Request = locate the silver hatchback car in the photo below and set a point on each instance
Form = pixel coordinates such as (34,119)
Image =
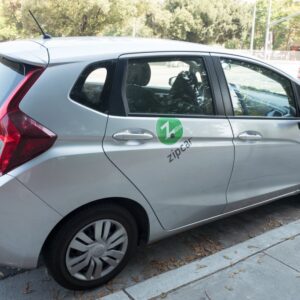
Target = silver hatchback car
(109,142)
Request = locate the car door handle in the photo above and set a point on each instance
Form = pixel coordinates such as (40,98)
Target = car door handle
(250,136)
(133,134)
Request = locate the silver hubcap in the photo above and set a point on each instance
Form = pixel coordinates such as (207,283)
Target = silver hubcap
(96,250)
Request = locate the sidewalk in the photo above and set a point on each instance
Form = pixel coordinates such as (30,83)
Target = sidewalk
(265,267)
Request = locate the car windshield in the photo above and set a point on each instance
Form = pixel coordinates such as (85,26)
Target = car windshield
(11,73)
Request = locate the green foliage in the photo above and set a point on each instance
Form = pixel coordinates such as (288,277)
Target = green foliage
(202,21)
(284,34)
(60,17)
(225,22)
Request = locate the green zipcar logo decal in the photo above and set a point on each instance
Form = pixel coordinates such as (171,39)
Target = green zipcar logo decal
(169,131)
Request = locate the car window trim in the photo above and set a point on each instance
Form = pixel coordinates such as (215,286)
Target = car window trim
(296,89)
(192,116)
(214,87)
(225,90)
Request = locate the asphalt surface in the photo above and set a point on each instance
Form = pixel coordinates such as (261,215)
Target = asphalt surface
(161,256)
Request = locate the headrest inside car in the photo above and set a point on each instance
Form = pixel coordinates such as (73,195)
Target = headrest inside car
(138,73)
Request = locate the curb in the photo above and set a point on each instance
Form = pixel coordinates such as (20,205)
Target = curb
(201,268)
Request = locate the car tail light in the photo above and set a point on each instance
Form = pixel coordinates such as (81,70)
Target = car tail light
(23,138)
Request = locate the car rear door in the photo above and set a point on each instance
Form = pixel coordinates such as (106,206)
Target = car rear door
(168,134)
(262,107)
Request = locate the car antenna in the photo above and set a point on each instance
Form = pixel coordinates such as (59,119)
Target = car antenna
(45,35)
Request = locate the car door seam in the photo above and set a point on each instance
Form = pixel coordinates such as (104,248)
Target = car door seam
(232,140)
(233,165)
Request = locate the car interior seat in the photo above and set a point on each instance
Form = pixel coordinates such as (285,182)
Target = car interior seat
(140,99)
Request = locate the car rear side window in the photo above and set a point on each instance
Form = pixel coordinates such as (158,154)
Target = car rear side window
(11,74)
(93,85)
(168,86)
(257,91)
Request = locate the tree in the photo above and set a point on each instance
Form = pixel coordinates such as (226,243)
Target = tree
(284,34)
(203,21)
(225,22)
(59,17)
(127,17)
(71,18)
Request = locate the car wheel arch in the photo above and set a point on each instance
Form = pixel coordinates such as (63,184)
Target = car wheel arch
(137,211)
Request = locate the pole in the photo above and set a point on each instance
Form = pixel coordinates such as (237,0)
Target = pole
(278,21)
(253,29)
(134,28)
(268,28)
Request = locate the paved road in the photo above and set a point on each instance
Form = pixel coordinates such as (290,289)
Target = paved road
(162,256)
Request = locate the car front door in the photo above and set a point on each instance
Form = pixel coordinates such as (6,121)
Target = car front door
(171,143)
(266,126)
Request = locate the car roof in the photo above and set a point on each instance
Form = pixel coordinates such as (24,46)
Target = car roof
(74,49)
(86,48)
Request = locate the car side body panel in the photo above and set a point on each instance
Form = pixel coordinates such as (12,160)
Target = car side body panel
(181,191)
(76,168)
(266,168)
(25,222)
(179,188)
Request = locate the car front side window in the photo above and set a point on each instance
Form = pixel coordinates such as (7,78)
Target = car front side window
(257,91)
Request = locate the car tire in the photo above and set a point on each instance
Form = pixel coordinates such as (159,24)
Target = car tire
(88,239)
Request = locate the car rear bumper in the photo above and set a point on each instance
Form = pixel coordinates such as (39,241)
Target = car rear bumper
(25,222)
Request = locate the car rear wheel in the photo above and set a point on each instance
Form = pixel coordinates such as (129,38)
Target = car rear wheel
(92,247)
